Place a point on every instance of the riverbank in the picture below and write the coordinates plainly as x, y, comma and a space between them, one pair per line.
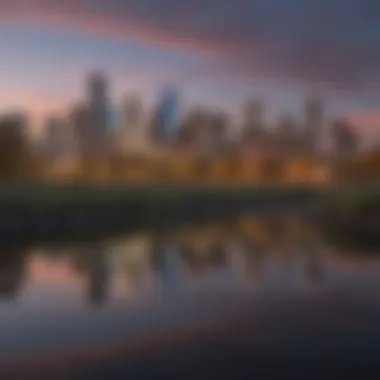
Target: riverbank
352, 215
40, 211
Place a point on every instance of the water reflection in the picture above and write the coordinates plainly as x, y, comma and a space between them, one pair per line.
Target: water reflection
12, 273
257, 253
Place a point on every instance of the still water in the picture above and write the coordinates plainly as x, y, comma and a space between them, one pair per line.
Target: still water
249, 253
84, 294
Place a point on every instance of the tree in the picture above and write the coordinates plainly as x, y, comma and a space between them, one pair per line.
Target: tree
14, 153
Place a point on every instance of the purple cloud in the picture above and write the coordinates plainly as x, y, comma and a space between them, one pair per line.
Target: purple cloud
331, 42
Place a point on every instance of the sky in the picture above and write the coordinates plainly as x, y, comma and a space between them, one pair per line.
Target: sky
218, 52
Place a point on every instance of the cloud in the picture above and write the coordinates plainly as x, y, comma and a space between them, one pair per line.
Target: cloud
366, 120
333, 42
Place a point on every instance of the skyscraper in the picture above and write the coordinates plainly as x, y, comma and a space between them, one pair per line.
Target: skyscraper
166, 118
287, 136
98, 108
252, 127
313, 123
79, 122
132, 112
218, 130
132, 136
253, 114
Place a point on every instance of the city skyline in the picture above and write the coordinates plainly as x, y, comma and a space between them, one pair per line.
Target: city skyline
218, 53
96, 124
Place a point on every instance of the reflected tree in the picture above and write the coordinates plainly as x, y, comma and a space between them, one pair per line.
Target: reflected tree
12, 272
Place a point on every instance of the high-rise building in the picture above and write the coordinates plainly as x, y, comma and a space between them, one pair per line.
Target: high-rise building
253, 114
55, 136
313, 123
194, 127
132, 135
98, 109
166, 118
203, 130
345, 140
287, 137
79, 122
132, 112
252, 127
218, 130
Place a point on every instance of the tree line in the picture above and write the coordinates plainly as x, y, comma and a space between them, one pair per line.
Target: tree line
17, 162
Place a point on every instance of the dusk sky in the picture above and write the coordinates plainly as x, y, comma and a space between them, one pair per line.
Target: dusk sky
218, 51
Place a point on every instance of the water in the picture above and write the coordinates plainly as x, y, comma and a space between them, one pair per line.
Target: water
86, 295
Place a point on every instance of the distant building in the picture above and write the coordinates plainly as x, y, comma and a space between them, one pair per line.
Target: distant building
287, 139
313, 128
219, 123
203, 131
253, 118
166, 118
80, 125
253, 132
55, 138
345, 141
132, 113
193, 127
98, 110
132, 136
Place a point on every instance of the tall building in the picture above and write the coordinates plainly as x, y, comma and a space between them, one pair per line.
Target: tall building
98, 109
132, 134
287, 137
203, 130
253, 114
79, 122
345, 140
218, 130
132, 112
192, 131
55, 136
166, 118
313, 123
252, 125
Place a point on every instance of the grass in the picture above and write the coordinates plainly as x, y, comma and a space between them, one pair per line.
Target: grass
52, 211
42, 210
33, 193
351, 216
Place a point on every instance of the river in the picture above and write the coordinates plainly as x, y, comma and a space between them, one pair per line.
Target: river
277, 277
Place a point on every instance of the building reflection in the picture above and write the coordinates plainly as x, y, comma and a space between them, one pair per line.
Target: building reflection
204, 252
254, 251
251, 251
12, 273
93, 264
167, 261
131, 264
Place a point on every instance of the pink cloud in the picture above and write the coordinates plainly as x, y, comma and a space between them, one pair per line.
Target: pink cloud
39, 104
120, 27
365, 121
